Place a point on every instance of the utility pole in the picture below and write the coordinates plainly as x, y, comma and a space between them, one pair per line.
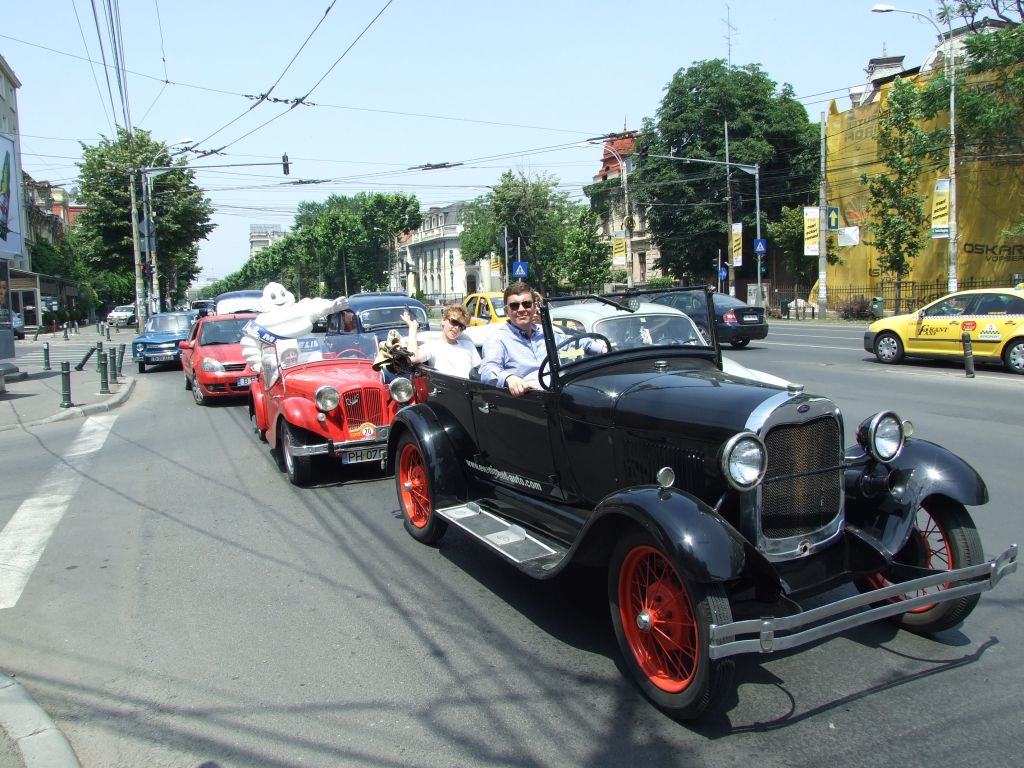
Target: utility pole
822, 229
728, 214
150, 234
140, 286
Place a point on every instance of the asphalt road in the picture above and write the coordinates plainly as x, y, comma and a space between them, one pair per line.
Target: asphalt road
191, 608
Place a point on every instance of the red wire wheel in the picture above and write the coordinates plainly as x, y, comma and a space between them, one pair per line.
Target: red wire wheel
662, 621
412, 483
943, 538
658, 619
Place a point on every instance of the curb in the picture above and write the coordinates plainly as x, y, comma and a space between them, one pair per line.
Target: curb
40, 743
81, 411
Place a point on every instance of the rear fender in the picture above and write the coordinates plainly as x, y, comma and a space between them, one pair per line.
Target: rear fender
703, 545
448, 482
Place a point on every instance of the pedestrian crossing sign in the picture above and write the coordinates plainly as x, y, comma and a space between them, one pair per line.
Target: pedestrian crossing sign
519, 269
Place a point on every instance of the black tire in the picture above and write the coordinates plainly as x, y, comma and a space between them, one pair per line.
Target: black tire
197, 393
299, 468
1013, 356
739, 343
142, 366
415, 499
888, 348
662, 622
944, 536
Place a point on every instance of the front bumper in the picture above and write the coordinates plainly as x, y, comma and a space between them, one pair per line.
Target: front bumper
869, 341
226, 384
153, 356
833, 618
340, 450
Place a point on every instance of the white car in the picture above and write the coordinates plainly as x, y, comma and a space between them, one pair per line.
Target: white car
122, 315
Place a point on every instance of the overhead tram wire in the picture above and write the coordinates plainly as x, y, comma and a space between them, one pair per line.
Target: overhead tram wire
92, 70
103, 56
302, 99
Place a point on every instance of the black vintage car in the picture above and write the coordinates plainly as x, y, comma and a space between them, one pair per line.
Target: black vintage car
718, 504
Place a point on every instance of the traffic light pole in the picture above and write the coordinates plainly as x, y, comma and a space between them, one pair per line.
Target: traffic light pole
140, 286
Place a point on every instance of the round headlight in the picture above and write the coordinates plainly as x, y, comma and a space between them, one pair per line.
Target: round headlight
402, 389
744, 461
327, 398
211, 365
139, 347
882, 436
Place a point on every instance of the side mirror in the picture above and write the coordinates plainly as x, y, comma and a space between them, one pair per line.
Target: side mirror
184, 345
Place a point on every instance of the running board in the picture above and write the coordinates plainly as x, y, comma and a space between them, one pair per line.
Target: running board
537, 555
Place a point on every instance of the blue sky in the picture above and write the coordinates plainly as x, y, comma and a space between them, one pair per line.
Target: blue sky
492, 85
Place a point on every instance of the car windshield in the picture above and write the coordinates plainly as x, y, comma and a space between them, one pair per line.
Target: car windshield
124, 308
227, 331
640, 330
168, 323
310, 349
386, 317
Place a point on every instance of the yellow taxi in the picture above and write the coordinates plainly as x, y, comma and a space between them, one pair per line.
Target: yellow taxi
993, 317
485, 308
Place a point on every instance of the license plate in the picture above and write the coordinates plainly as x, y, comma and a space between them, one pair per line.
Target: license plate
364, 454
245, 381
750, 318
162, 358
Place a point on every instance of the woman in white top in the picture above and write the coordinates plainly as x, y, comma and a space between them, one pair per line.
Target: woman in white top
452, 354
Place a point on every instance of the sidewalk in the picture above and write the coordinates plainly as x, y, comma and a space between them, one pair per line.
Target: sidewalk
34, 395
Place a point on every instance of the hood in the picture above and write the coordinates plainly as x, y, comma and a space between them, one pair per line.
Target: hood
343, 375
161, 337
224, 353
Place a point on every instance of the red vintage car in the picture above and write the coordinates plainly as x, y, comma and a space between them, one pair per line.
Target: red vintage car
322, 396
212, 358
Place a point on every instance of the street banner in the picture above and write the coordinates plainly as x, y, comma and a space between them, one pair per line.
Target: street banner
849, 236
812, 246
619, 252
495, 266
940, 209
10, 198
737, 244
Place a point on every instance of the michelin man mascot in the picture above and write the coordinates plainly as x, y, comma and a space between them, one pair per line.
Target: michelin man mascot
281, 317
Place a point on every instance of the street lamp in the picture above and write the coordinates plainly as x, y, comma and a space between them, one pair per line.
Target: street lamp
628, 222
949, 70
753, 170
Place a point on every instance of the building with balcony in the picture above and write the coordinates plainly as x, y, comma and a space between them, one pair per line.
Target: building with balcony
263, 235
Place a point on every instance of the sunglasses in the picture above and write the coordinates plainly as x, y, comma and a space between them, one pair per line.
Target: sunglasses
515, 305
456, 324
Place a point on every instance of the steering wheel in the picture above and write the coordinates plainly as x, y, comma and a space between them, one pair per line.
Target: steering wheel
351, 354
544, 372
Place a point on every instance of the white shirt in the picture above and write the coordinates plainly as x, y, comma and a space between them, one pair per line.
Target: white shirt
453, 359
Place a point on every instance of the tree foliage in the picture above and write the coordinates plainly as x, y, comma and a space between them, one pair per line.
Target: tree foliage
895, 206
104, 242
686, 203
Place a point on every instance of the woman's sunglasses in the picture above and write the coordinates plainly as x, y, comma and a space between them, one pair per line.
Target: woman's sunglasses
456, 324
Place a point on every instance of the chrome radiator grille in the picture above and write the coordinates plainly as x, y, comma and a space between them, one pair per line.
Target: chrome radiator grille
802, 491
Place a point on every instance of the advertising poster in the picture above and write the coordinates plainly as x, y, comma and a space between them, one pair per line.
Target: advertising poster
10, 199
737, 244
940, 210
812, 244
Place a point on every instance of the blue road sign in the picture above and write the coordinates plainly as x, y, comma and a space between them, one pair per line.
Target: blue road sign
833, 219
760, 246
723, 273
519, 269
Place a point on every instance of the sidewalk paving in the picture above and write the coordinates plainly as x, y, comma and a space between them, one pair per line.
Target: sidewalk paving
33, 395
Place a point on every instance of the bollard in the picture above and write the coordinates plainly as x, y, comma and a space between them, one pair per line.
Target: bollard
65, 331
46, 355
120, 359
76, 328
65, 385
104, 386
35, 336
108, 333
98, 330
968, 354
112, 365
3, 382
99, 355
85, 359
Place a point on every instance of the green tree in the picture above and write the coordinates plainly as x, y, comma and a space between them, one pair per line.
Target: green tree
586, 259
181, 211
685, 204
895, 206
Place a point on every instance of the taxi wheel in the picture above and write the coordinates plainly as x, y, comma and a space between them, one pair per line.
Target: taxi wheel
412, 484
662, 622
299, 468
197, 393
943, 538
888, 348
1013, 356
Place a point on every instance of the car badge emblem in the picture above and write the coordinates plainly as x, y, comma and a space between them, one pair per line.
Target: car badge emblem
803, 408
352, 399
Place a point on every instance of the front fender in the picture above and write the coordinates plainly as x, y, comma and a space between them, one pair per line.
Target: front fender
703, 545
258, 407
448, 483
302, 412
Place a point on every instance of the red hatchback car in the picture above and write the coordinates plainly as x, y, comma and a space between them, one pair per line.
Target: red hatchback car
212, 358
321, 396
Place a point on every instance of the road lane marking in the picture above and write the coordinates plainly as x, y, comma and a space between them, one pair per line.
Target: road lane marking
27, 533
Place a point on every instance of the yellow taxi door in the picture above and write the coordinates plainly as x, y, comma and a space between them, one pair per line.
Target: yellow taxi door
939, 327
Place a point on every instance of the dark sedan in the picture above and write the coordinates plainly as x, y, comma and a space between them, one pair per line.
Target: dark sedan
377, 313
736, 322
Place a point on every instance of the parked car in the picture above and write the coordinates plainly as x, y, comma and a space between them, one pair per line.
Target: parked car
377, 314
212, 359
992, 317
18, 325
160, 336
322, 396
484, 308
122, 315
719, 505
736, 322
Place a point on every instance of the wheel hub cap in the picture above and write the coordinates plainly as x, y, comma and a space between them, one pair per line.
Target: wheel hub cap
644, 621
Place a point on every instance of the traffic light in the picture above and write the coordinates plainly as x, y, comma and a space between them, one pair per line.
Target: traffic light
764, 265
144, 268
641, 153
285, 163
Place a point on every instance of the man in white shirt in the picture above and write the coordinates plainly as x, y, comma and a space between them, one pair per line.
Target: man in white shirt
452, 354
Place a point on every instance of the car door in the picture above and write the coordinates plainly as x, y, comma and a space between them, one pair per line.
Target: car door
472, 306
939, 326
188, 355
997, 317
